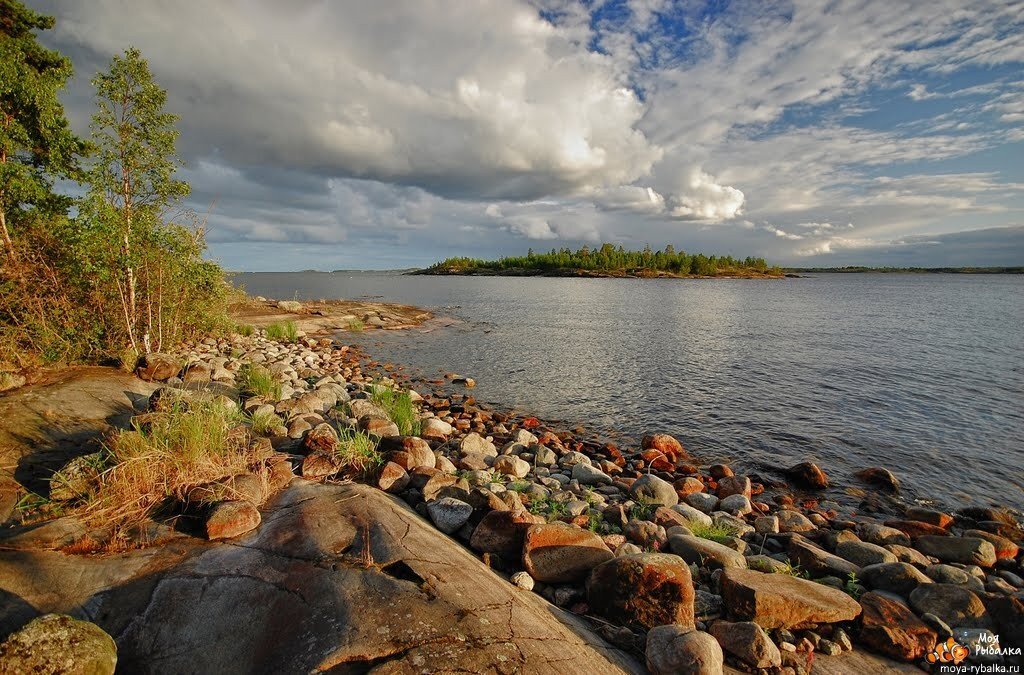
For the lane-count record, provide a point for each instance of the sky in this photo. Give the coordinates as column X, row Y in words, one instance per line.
column 356, row 135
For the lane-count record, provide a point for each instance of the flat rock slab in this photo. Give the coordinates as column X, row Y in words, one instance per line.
column 782, row 601
column 337, row 576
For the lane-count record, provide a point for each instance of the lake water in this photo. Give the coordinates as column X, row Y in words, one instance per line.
column 922, row 374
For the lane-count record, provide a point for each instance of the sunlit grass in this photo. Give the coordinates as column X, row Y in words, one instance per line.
column 254, row 380
column 399, row 407
column 285, row 331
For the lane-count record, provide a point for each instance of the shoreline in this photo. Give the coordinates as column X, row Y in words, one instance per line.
column 590, row 274
column 585, row 524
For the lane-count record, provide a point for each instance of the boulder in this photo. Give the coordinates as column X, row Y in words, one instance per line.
column 158, row 367
column 197, row 373
column 645, row 534
column 290, row 305
column 963, row 550
column 783, row 601
column 876, row 533
column 393, row 478
column 322, row 438
column 880, row 477
column 643, row 591
column 705, row 553
column 693, row 515
column 891, row 629
column 862, row 553
column 231, row 519
column 673, row 650
column 435, row 429
column 320, row 465
column 931, row 516
column 58, row 644
column 734, row 485
column 561, row 553
column 702, row 501
column 653, row 490
column 737, row 505
column 376, row 426
column 502, row 532
column 1005, row 549
column 957, row 606
column 416, row 451
column 894, row 577
column 475, row 444
column 587, row 474
column 664, row 444
column 510, row 465
column 748, row 642
column 794, row 521
column 449, row 514
column 818, row 561
column 808, row 474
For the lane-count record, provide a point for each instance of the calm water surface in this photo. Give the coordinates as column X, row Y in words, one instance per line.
column 922, row 374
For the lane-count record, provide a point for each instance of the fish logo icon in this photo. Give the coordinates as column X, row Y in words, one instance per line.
column 949, row 651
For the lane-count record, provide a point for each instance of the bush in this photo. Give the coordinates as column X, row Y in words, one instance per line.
column 254, row 380
column 285, row 331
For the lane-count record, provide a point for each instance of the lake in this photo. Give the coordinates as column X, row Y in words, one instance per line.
column 922, row 374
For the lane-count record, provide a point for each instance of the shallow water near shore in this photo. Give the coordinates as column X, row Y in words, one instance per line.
column 922, row 374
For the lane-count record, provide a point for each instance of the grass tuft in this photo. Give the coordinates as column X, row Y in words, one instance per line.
column 285, row 331
column 715, row 532
column 244, row 329
column 254, row 380
column 399, row 407
column 356, row 326
column 264, row 423
column 358, row 452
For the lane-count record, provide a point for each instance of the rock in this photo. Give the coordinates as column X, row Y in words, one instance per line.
column 590, row 475
column 511, row 466
column 643, row 591
column 895, row 577
column 290, row 305
column 930, row 516
column 783, row 601
column 891, row 629
column 947, row 574
column 737, row 505
column 818, row 561
column 417, row 451
column 435, row 429
column 645, row 534
column 58, row 644
column 748, row 642
column 734, row 485
column 158, row 367
column 77, row 479
column 560, row 553
column 320, row 465
column 693, row 515
column 702, row 501
column 449, row 514
column 764, row 563
column 323, row 438
column 393, row 478
column 503, row 532
column 545, row 456
column 197, row 373
column 653, row 490
column 794, row 521
column 10, row 496
column 916, row 528
column 861, row 553
column 766, row 525
column 375, row 426
column 475, row 444
column 674, row 650
column 665, row 444
column 963, row 550
column 231, row 519
column 1005, row 549
column 877, row 533
column 909, row 555
column 809, row 475
column 955, row 605
column 880, row 477
column 522, row 580
column 705, row 552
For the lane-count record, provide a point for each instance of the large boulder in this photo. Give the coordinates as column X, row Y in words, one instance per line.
column 963, row 550
column 643, row 591
column 957, row 606
column 895, row 577
column 673, row 650
column 890, row 628
column 56, row 643
column 158, row 367
column 561, row 553
column 653, row 490
column 782, row 601
column 748, row 642
column 502, row 532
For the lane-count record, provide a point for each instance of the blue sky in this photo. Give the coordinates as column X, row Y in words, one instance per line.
column 328, row 135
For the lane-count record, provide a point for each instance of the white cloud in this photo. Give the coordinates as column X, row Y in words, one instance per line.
column 703, row 198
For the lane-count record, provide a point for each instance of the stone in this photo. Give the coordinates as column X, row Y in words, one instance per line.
column 587, row 474
column 375, row 426
column 861, row 553
column 157, row 367
column 764, row 563
column 510, row 465
column 290, row 305
column 322, row 438
column 963, row 550
column 809, row 475
column 664, row 444
column 693, row 515
column 503, row 532
column 545, row 456
column 669, row 517
column 894, row 577
column 909, row 555
column 1005, row 549
column 702, row 501
column 705, row 552
column 737, row 505
column 416, row 450
column 876, row 533
column 643, row 591
column 435, row 429
column 930, row 516
column 58, row 644
column 794, row 521
column 393, row 478
column 947, row 574
column 645, row 534
column 891, row 629
column 766, row 525
column 474, row 443
column 320, row 465
column 231, row 519
column 561, row 553
column 449, row 514
column 197, row 373
column 734, row 485
column 748, row 642
column 673, row 650
column 783, row 601
column 818, row 561
column 522, row 580
column 880, row 477
column 687, row 486
column 653, row 490
column 916, row 528
column 955, row 605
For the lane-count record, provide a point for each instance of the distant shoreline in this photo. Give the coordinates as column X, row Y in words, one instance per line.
column 905, row 270
column 590, row 274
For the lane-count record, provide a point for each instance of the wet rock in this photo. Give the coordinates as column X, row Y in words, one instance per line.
column 929, row 516
column 880, row 477
column 917, row 528
column 643, row 591
column 56, row 643
column 748, row 642
column 891, row 629
column 449, row 514
column 665, row 444
column 231, row 519
column 963, row 550
column 705, row 552
column 809, row 475
column 503, row 532
column 955, row 605
column 672, row 650
column 560, row 553
column 894, row 577
column 653, row 490
column 782, row 601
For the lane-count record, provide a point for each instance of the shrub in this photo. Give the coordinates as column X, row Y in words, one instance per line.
column 285, row 331
column 255, row 380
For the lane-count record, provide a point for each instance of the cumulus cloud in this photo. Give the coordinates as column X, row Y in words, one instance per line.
column 702, row 198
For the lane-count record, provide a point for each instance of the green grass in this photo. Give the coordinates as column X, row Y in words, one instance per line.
column 786, row 568
column 716, row 532
column 285, row 331
column 852, row 586
column 254, row 380
column 356, row 326
column 264, row 423
column 548, row 508
column 518, row 486
column 244, row 329
column 642, row 510
column 399, row 407
column 358, row 452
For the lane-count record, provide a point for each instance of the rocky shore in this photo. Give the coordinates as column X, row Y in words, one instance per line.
column 681, row 566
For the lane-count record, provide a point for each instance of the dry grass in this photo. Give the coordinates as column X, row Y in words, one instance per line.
column 254, row 380
column 158, row 462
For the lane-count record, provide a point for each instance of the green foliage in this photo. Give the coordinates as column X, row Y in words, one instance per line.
column 356, row 326
column 718, row 532
column 548, row 508
column 609, row 258
column 642, row 510
column 852, row 586
column 285, row 331
column 358, row 452
column 254, row 380
column 244, row 329
column 264, row 423
column 399, row 407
